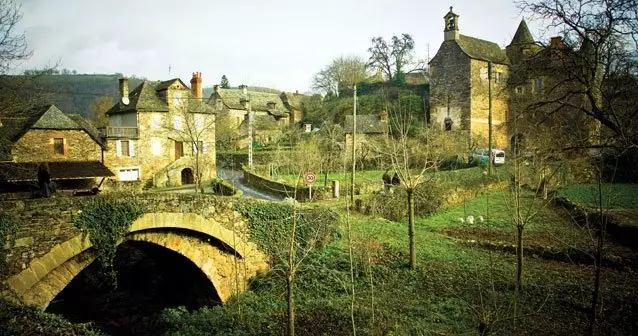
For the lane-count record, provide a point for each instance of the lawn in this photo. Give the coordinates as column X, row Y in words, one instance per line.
column 612, row 195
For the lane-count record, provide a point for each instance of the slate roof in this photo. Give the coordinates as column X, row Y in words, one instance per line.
column 58, row 170
column 16, row 124
column 522, row 35
column 146, row 98
column 482, row 49
column 232, row 99
column 366, row 124
column 293, row 100
column 88, row 127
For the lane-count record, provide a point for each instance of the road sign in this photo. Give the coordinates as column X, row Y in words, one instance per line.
column 309, row 178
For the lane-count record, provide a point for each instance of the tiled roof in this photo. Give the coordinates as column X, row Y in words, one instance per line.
column 146, row 98
column 366, row 124
column 522, row 35
column 232, row 99
column 482, row 49
column 88, row 127
column 58, row 170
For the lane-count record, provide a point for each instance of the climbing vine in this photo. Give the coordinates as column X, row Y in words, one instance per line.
column 8, row 228
column 107, row 222
column 270, row 225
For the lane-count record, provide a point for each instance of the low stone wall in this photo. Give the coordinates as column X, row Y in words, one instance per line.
column 223, row 188
column 280, row 189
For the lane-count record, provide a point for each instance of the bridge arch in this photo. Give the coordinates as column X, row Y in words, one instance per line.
column 191, row 235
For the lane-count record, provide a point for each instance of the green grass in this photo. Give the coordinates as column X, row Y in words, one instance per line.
column 613, row 195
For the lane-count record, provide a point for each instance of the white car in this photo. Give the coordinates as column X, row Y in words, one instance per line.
column 481, row 156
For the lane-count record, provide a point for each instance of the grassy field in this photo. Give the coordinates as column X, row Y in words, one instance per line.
column 612, row 195
column 462, row 178
column 455, row 288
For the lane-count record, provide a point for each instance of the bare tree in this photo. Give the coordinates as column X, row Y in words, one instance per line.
column 13, row 45
column 393, row 57
column 342, row 72
column 601, row 38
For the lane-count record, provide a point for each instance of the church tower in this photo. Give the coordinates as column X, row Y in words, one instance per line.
column 451, row 31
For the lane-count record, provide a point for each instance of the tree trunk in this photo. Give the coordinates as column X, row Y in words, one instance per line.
column 593, row 327
column 411, row 226
column 291, row 305
column 519, row 258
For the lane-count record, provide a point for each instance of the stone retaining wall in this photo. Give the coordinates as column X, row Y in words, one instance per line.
column 280, row 189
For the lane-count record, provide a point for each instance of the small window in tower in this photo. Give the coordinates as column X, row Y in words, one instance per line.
column 538, row 84
column 58, row 146
column 448, row 124
column 520, row 90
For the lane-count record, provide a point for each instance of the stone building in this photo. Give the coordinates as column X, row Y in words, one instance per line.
column 522, row 75
column 68, row 144
column 272, row 112
column 460, row 86
column 370, row 129
column 161, row 134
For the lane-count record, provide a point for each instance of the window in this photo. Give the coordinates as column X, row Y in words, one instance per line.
column 519, row 90
column 125, row 148
column 538, row 84
column 129, row 174
column 179, row 149
column 177, row 122
column 198, row 145
column 156, row 146
column 500, row 77
column 199, row 122
column 58, row 146
column 156, row 120
column 177, row 99
column 448, row 124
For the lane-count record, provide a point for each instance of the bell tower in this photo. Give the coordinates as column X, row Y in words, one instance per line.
column 451, row 31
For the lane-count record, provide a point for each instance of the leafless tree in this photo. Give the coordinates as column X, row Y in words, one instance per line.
column 342, row 72
column 13, row 45
column 392, row 58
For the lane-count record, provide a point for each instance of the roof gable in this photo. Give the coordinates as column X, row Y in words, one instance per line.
column 522, row 35
column 482, row 49
column 53, row 118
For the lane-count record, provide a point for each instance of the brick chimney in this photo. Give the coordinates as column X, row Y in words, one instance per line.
column 556, row 42
column 124, row 90
column 217, row 88
column 196, row 85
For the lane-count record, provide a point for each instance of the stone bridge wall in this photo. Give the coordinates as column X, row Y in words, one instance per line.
column 46, row 223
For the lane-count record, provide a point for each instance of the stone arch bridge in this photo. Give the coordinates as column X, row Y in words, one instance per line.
column 50, row 251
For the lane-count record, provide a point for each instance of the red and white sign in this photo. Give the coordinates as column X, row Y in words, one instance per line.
column 309, row 178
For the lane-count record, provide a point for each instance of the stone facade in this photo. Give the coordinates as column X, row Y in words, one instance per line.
column 50, row 251
column 37, row 145
column 459, row 86
column 162, row 137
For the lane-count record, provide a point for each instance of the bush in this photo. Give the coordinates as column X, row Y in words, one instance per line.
column 21, row 320
column 393, row 204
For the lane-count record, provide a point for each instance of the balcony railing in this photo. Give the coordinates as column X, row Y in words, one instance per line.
column 120, row 132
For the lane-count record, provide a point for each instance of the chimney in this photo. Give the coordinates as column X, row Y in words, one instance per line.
column 217, row 88
column 196, row 85
column 124, row 90
column 296, row 92
column 244, row 99
column 557, row 43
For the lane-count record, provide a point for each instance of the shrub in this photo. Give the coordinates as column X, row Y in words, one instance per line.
column 393, row 205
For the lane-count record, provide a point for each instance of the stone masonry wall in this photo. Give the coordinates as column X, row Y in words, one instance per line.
column 37, row 146
column 45, row 223
column 480, row 103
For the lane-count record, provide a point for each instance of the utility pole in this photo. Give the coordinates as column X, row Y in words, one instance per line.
column 489, row 119
column 354, row 141
column 250, row 130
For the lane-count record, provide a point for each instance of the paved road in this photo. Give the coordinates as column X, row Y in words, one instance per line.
column 235, row 178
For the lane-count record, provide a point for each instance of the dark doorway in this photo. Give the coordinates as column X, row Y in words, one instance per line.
column 187, row 176
column 150, row 278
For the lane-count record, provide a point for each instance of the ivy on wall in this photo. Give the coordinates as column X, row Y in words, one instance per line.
column 107, row 222
column 8, row 229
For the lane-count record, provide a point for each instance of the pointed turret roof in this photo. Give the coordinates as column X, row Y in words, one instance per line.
column 522, row 36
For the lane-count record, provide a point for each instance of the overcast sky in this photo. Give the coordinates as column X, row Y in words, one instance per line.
column 273, row 43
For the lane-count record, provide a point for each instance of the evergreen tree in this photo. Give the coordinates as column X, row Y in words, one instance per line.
column 224, row 83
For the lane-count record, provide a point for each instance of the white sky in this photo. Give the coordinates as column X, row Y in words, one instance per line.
column 273, row 43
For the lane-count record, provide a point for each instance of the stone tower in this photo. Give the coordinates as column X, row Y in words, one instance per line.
column 451, row 31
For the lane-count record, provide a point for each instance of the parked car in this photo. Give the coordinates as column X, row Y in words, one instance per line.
column 480, row 157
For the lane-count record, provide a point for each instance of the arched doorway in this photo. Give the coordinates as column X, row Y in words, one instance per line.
column 187, row 176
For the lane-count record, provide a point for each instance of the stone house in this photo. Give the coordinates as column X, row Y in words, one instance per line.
column 69, row 145
column 272, row 112
column 523, row 74
column 460, row 86
column 370, row 129
column 161, row 134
